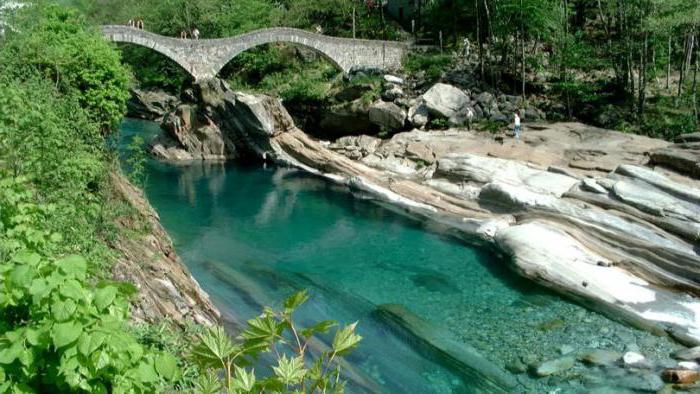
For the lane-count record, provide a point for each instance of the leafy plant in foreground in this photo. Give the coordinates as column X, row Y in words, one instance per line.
column 276, row 333
column 58, row 332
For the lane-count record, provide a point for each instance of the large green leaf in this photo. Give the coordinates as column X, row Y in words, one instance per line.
column 21, row 276
column 10, row 352
column 263, row 328
column 146, row 373
column 166, row 366
column 242, row 380
column 63, row 310
column 346, row 339
column 290, row 370
column 73, row 265
column 65, row 333
column 214, row 347
column 105, row 296
column 88, row 344
column 295, row 300
column 319, row 328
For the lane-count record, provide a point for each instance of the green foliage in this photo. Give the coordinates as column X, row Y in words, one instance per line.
column 54, row 43
column 273, row 331
column 439, row 123
column 58, row 331
column 135, row 161
column 281, row 70
column 432, row 64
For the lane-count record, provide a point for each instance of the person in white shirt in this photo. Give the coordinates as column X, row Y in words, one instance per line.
column 517, row 124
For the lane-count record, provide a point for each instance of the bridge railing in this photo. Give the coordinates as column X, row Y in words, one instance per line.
column 288, row 31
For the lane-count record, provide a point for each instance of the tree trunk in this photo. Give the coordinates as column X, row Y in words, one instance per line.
column 682, row 70
column 455, row 12
column 668, row 66
column 490, row 41
column 522, row 51
column 478, row 38
column 354, row 35
column 565, row 76
column 643, row 64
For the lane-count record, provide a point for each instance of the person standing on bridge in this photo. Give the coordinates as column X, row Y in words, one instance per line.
column 195, row 33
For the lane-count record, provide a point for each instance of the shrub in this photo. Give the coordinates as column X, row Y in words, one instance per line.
column 273, row 331
column 58, row 332
column 432, row 64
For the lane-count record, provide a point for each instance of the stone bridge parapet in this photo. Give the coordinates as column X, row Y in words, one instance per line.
column 204, row 58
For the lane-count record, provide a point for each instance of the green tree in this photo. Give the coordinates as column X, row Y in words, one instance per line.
column 56, row 44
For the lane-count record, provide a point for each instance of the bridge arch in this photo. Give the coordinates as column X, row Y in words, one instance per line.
column 205, row 58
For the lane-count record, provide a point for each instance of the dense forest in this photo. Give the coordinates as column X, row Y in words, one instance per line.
column 628, row 65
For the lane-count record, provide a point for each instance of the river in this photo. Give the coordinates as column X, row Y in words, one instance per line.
column 253, row 234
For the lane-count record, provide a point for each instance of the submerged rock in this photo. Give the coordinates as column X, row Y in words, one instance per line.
column 556, row 366
column 599, row 356
column 634, row 359
column 439, row 345
column 692, row 353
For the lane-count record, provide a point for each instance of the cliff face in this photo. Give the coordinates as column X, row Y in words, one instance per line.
column 147, row 260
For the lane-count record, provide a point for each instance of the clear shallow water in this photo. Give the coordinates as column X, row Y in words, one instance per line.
column 252, row 235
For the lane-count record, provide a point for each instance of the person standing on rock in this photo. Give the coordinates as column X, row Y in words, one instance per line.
column 469, row 118
column 517, row 128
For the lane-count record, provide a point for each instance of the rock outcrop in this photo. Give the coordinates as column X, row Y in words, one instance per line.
column 387, row 116
column 683, row 156
column 150, row 104
column 166, row 289
column 578, row 209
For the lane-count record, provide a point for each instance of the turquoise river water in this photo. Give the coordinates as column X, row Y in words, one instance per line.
column 251, row 235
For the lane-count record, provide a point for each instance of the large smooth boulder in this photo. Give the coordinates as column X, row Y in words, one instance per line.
column 444, row 101
column 480, row 169
column 387, row 116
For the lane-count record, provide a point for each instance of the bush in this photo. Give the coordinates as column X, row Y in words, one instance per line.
column 54, row 43
column 58, row 332
column 432, row 64
column 273, row 331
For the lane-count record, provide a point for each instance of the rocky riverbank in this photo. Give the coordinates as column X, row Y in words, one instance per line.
column 585, row 211
column 147, row 259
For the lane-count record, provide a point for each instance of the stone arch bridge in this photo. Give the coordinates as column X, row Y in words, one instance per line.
column 204, row 58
